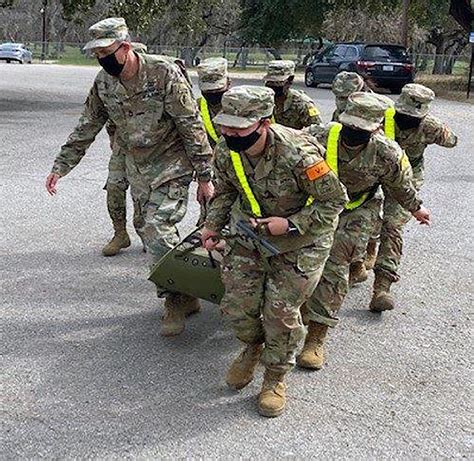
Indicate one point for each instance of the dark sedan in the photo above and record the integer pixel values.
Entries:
(383, 65)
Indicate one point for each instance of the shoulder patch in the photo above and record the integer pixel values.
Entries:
(317, 170)
(313, 111)
(405, 161)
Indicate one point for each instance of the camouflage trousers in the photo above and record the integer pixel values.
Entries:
(263, 298)
(352, 235)
(116, 187)
(395, 217)
(159, 208)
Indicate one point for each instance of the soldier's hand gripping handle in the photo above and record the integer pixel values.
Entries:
(260, 243)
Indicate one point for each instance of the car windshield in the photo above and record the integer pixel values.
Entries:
(386, 53)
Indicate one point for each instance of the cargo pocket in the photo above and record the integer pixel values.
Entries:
(177, 196)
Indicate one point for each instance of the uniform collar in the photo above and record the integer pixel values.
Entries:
(265, 164)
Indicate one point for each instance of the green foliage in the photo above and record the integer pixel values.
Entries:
(271, 22)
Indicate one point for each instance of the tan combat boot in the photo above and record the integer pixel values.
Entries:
(177, 308)
(381, 299)
(371, 255)
(272, 397)
(119, 240)
(357, 273)
(242, 370)
(312, 355)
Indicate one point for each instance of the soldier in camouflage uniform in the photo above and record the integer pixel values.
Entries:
(269, 172)
(344, 84)
(363, 158)
(159, 129)
(116, 188)
(415, 129)
(213, 82)
(293, 108)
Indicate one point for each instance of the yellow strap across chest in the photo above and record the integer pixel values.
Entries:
(244, 184)
(206, 118)
(389, 123)
(332, 161)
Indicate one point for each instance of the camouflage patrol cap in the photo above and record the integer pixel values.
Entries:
(415, 100)
(385, 99)
(242, 106)
(363, 111)
(346, 83)
(139, 47)
(106, 32)
(212, 74)
(279, 71)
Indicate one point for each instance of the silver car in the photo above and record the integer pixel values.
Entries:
(15, 52)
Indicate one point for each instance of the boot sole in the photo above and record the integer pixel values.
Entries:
(168, 334)
(107, 255)
(309, 367)
(235, 387)
(271, 413)
(380, 309)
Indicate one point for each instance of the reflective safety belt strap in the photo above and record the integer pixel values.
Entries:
(332, 145)
(357, 202)
(389, 124)
(272, 120)
(239, 171)
(206, 118)
(331, 159)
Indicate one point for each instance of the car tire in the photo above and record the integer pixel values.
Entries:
(8, 61)
(309, 79)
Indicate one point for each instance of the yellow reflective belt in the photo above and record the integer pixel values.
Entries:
(239, 171)
(389, 124)
(272, 120)
(206, 118)
(331, 159)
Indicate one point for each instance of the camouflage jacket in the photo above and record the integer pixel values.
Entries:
(157, 122)
(281, 184)
(298, 111)
(382, 161)
(213, 111)
(430, 131)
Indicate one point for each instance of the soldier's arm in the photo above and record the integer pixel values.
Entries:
(318, 131)
(329, 195)
(398, 176)
(310, 114)
(93, 118)
(225, 193)
(437, 132)
(182, 108)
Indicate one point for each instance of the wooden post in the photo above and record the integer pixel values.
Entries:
(406, 5)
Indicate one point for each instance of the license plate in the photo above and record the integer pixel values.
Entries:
(388, 68)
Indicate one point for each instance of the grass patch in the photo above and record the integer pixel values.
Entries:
(447, 86)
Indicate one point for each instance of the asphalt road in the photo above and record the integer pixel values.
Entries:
(85, 373)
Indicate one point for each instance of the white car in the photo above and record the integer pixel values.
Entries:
(15, 52)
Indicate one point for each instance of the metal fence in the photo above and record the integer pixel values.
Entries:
(240, 57)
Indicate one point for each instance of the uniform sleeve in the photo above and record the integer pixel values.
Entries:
(328, 194)
(182, 108)
(437, 132)
(309, 113)
(93, 118)
(398, 176)
(225, 194)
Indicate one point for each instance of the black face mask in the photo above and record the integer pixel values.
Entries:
(111, 65)
(214, 98)
(353, 137)
(406, 122)
(241, 143)
(279, 90)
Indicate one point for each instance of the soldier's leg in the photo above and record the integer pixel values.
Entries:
(116, 187)
(243, 276)
(364, 256)
(391, 248)
(291, 281)
(353, 231)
